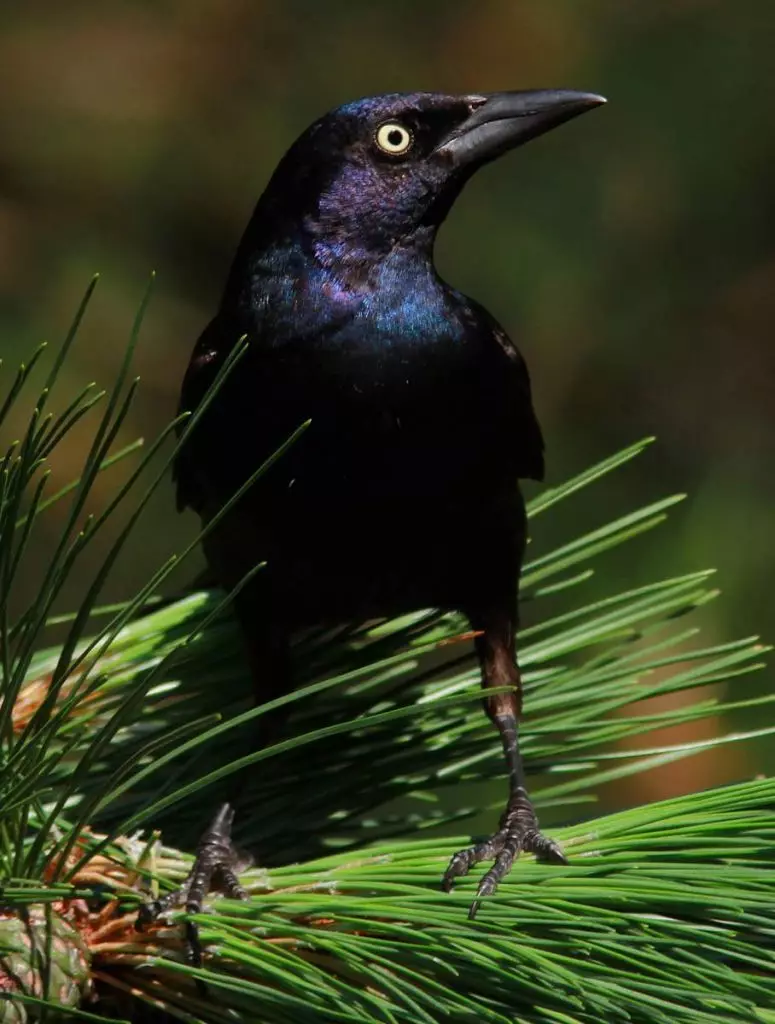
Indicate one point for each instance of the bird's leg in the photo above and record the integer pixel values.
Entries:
(215, 865)
(518, 826)
(217, 861)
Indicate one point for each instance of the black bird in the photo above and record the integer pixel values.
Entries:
(403, 493)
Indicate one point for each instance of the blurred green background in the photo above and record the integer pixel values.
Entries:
(631, 253)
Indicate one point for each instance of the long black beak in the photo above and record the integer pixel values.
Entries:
(504, 120)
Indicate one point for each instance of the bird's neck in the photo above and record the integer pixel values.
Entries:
(362, 246)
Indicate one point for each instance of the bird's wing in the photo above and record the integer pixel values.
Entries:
(512, 401)
(522, 418)
(206, 359)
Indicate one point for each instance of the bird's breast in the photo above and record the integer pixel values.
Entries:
(407, 395)
(392, 410)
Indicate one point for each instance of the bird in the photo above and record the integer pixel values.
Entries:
(403, 492)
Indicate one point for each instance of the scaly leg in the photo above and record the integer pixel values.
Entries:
(518, 827)
(215, 866)
(217, 861)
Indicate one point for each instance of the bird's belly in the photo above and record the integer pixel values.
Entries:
(381, 558)
(402, 492)
(396, 520)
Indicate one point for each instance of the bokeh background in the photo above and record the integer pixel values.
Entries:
(631, 252)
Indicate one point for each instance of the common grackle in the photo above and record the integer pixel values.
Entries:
(403, 493)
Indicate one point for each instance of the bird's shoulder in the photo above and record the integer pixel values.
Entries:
(509, 380)
(212, 348)
(263, 397)
(206, 359)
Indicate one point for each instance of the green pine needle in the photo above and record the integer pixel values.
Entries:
(665, 913)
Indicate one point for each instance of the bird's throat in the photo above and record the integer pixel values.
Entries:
(346, 245)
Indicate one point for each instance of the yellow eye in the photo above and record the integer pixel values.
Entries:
(393, 138)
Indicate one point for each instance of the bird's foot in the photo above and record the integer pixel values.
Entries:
(518, 832)
(215, 867)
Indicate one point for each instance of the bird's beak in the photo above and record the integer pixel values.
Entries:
(504, 120)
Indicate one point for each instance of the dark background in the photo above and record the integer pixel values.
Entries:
(631, 253)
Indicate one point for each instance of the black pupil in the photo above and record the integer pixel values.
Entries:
(396, 137)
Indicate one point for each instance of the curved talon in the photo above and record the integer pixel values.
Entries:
(548, 851)
(518, 834)
(459, 865)
(229, 882)
(462, 862)
(215, 865)
(192, 950)
(147, 914)
(153, 909)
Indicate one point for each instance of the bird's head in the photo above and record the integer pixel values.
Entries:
(385, 170)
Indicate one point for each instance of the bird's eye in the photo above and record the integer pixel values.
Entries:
(394, 138)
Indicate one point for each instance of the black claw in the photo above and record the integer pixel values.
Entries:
(228, 881)
(462, 862)
(147, 913)
(150, 911)
(549, 852)
(518, 833)
(192, 950)
(214, 866)
(458, 866)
